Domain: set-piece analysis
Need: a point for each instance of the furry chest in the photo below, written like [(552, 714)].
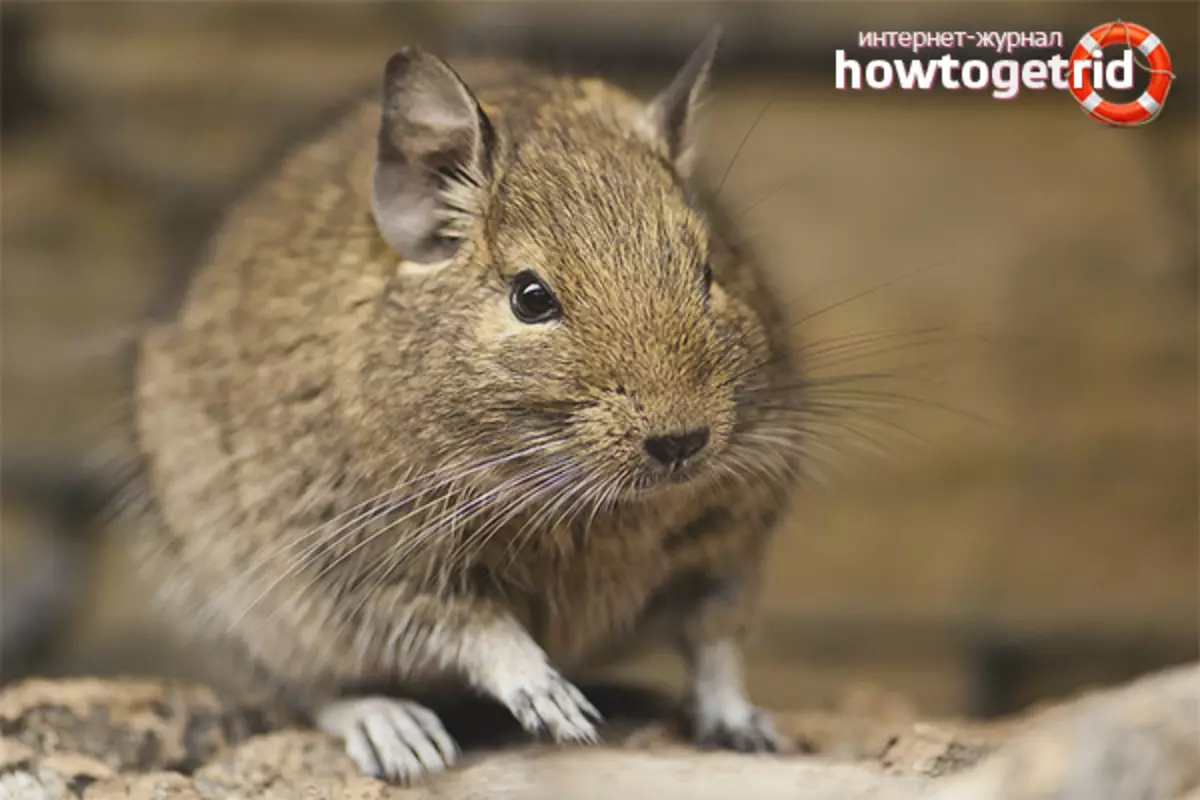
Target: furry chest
[(583, 600)]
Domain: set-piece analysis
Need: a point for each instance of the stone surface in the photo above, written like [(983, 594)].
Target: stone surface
[(1139, 742), (103, 740)]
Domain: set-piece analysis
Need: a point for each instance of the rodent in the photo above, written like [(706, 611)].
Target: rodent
[(475, 388)]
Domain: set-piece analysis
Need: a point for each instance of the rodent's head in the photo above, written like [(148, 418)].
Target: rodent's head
[(581, 310)]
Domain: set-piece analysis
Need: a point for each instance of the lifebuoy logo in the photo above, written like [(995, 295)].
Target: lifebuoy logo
[(1090, 50), (1085, 74)]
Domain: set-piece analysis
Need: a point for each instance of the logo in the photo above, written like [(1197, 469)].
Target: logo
[(1090, 50), (1085, 74)]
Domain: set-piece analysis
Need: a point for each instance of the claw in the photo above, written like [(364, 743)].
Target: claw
[(556, 708), (397, 740)]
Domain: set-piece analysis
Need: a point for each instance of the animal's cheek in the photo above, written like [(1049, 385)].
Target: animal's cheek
[(728, 319), (609, 427), (733, 319), (420, 269), (718, 300), (732, 315)]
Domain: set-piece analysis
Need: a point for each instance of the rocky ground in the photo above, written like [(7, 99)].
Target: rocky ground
[(99, 739), (1022, 524)]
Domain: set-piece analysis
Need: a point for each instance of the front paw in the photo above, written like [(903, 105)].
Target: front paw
[(737, 727), (553, 706), (389, 738), (502, 662)]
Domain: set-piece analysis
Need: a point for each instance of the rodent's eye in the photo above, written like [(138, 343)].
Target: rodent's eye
[(707, 276), (531, 301)]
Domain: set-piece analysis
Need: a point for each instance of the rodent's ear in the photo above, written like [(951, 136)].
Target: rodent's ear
[(672, 114), (434, 148)]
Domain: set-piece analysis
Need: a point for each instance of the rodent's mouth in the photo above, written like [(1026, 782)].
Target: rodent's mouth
[(656, 480), (682, 475)]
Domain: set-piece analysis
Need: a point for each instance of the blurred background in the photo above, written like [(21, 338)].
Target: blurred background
[(1014, 519)]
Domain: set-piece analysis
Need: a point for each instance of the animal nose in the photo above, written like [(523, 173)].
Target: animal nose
[(673, 449)]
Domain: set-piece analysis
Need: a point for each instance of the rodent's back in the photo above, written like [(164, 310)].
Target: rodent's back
[(268, 306)]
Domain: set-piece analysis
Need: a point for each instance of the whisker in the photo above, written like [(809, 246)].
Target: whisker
[(872, 395), (304, 558), (824, 412), (742, 145), (542, 478), (431, 529), (533, 524), (773, 193)]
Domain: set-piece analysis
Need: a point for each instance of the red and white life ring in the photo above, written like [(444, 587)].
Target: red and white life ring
[(1145, 107)]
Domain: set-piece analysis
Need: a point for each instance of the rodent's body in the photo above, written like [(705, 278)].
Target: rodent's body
[(335, 435)]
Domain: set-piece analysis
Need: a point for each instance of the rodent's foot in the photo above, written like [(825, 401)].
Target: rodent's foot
[(501, 661), (747, 730), (556, 708), (397, 740)]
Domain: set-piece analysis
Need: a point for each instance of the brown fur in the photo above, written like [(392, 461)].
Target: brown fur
[(307, 375)]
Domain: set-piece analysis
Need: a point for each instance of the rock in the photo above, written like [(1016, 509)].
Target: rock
[(23, 774), (124, 726), (149, 786), (1136, 742), (932, 750), (136, 740)]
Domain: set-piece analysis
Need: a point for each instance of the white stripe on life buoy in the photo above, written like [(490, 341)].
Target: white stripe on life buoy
[(1149, 43), (1149, 103), (1091, 102), (1089, 44)]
